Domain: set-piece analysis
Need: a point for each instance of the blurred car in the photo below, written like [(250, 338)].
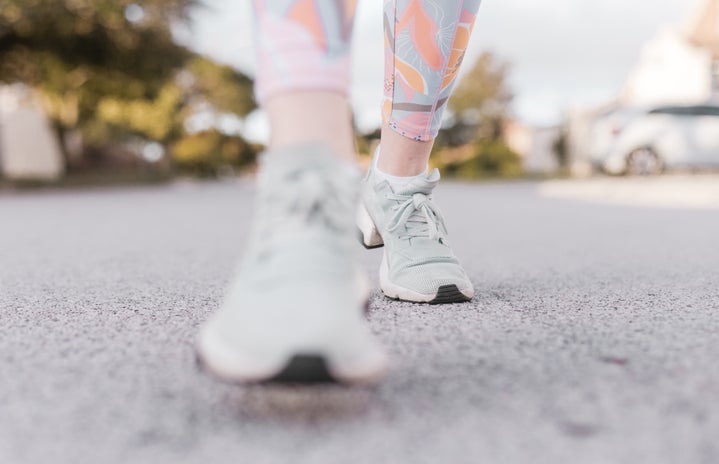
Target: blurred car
[(648, 141), (607, 127)]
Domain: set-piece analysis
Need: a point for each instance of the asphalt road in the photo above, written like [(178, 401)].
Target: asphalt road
[(594, 337)]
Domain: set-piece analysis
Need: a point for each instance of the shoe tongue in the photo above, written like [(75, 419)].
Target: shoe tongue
[(424, 184)]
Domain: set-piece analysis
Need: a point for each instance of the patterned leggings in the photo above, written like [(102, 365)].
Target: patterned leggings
[(305, 45)]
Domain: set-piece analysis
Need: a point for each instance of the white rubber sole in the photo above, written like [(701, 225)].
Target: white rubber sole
[(306, 359), (392, 290), (234, 366)]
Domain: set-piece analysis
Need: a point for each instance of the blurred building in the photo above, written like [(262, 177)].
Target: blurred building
[(537, 146), (678, 66), (703, 32), (29, 149), (671, 70)]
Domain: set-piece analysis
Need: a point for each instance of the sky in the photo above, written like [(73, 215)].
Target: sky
[(564, 54)]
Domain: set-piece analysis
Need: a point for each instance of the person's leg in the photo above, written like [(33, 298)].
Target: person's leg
[(303, 116), (295, 311), (425, 42), (304, 71)]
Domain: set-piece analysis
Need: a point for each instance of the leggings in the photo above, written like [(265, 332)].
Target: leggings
[(305, 45)]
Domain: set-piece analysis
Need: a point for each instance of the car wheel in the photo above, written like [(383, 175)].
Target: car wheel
[(644, 162)]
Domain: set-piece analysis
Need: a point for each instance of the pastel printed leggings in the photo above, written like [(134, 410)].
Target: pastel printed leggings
[(305, 45)]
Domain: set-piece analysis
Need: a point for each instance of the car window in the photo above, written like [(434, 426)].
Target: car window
[(673, 110), (700, 110), (706, 110)]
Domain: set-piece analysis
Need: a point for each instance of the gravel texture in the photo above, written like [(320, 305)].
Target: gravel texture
[(594, 337)]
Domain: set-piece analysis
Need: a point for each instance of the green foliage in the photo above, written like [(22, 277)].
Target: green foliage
[(202, 85), (210, 151), (490, 158), (151, 118), (222, 87), (76, 52), (473, 146), (483, 93), (111, 70)]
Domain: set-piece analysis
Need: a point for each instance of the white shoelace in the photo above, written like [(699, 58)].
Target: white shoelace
[(418, 214), (295, 202)]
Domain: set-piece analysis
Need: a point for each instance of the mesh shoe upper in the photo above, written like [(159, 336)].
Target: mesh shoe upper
[(417, 247), (302, 226)]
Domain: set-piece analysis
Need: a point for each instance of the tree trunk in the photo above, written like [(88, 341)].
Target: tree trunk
[(60, 133)]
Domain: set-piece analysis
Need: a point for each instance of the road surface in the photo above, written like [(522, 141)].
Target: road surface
[(594, 337)]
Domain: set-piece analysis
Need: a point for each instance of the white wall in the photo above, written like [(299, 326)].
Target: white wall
[(670, 71), (29, 149), (535, 145)]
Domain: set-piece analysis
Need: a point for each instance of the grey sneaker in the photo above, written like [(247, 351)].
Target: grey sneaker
[(296, 310), (418, 264)]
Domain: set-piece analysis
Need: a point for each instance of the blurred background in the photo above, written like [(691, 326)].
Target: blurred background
[(100, 91)]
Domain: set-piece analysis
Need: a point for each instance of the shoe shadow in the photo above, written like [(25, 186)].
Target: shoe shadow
[(311, 404)]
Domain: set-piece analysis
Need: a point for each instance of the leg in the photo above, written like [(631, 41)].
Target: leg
[(330, 122), (304, 71), (425, 42), (295, 311)]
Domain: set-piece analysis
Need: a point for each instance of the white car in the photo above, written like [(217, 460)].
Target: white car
[(663, 138), (606, 128)]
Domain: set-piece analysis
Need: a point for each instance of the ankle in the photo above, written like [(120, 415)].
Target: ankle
[(328, 124), (396, 182), (401, 156)]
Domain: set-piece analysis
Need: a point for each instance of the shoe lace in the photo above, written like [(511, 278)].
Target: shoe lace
[(301, 200), (418, 215)]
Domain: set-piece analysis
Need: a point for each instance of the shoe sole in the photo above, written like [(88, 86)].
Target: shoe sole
[(446, 294), (300, 369), (449, 294), (215, 357)]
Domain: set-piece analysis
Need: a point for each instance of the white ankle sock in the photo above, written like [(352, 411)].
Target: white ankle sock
[(396, 182)]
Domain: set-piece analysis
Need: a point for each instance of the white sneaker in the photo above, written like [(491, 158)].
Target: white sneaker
[(296, 310), (418, 264)]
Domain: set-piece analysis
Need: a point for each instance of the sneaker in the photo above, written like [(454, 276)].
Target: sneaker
[(296, 310), (418, 264)]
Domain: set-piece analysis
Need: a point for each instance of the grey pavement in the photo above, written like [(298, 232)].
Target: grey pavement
[(594, 337)]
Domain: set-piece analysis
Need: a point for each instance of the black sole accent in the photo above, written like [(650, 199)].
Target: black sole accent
[(449, 294), (304, 369), (361, 240), (445, 295), (301, 369)]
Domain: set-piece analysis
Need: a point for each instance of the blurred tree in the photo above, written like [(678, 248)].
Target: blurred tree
[(222, 87), (488, 158), (76, 52), (561, 150), (482, 98), (203, 86), (208, 152), (218, 90), (480, 106), (111, 69)]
